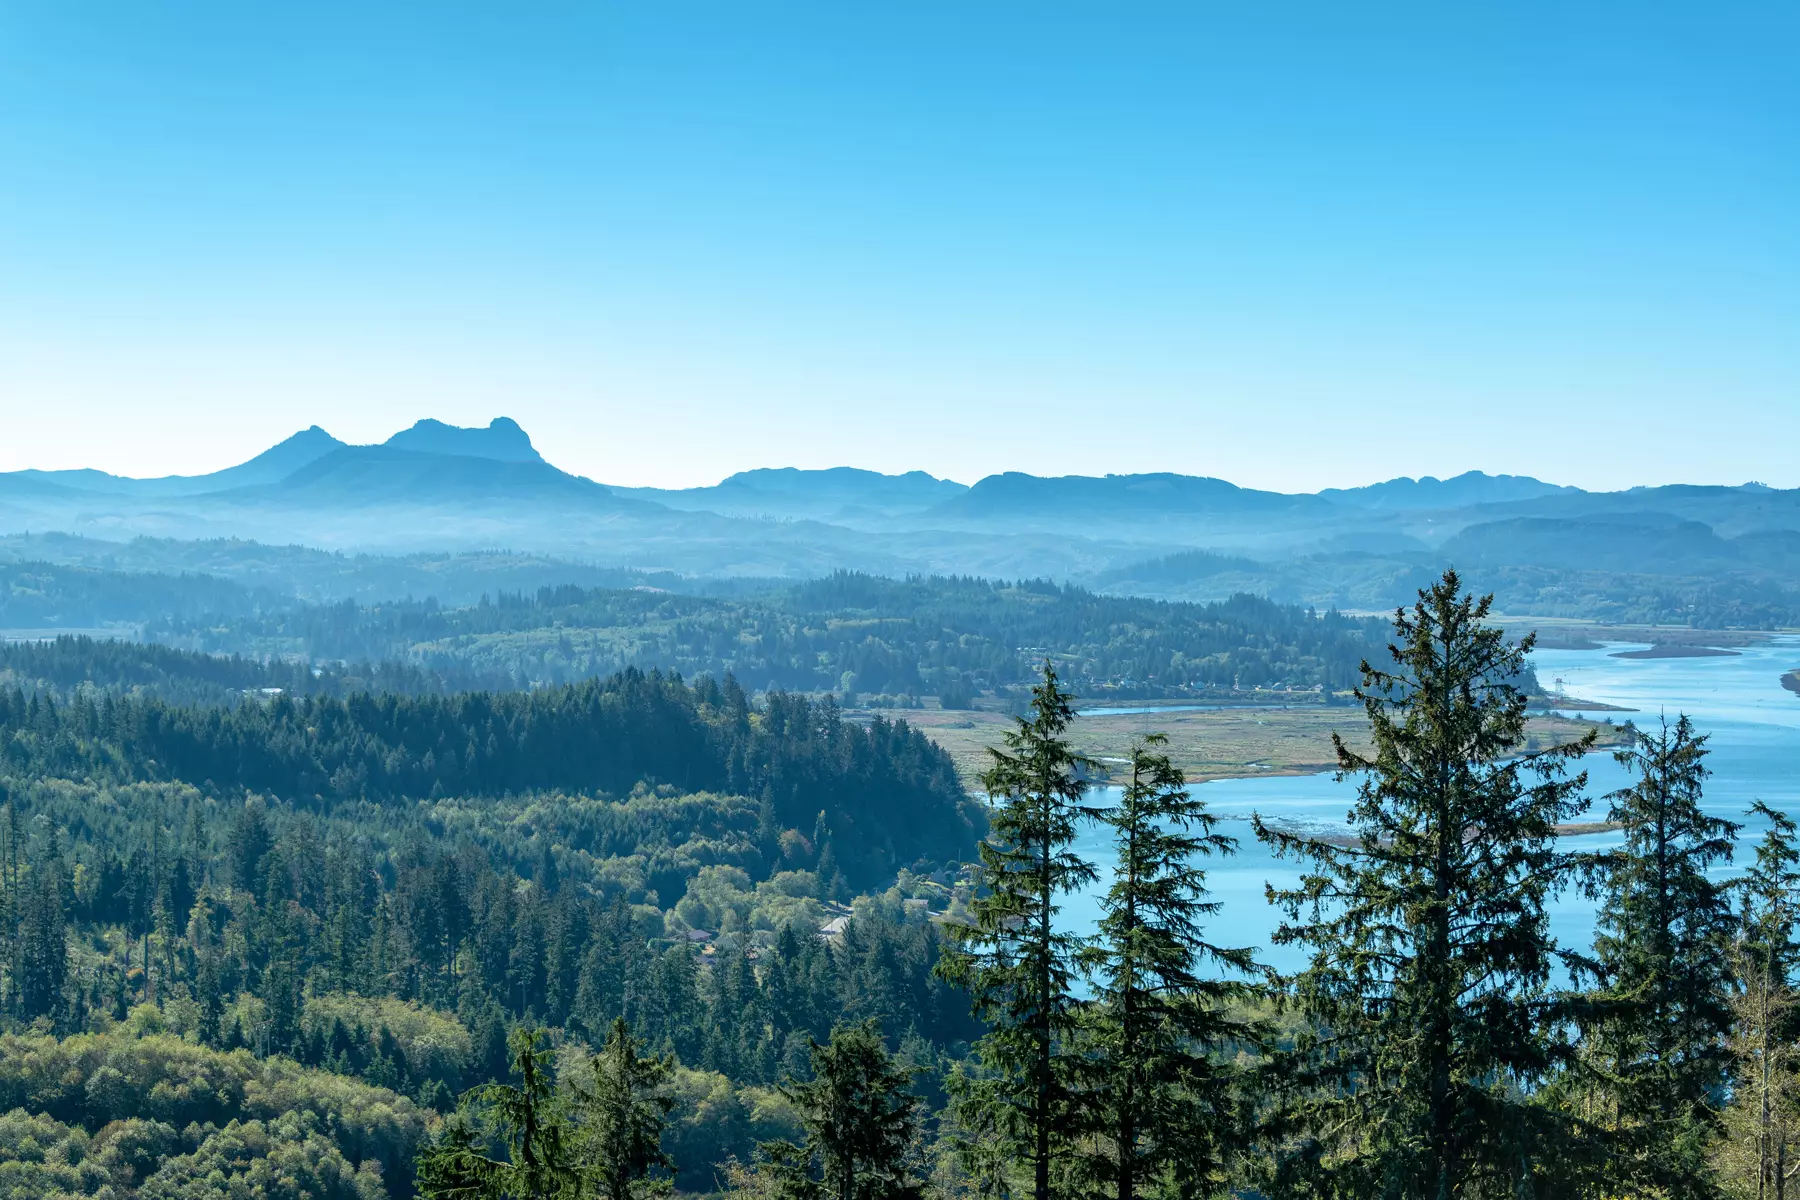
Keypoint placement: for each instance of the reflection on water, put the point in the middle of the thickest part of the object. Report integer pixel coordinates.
(1753, 729)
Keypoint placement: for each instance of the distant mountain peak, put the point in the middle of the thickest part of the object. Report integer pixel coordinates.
(1457, 491)
(310, 437)
(502, 440)
(788, 478)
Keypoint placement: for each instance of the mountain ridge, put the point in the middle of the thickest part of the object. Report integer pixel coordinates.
(442, 488)
(501, 439)
(1458, 491)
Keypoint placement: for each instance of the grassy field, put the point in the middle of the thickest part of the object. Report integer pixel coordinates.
(1214, 744)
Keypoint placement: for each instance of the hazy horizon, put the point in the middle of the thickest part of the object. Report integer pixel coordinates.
(1293, 249)
(550, 458)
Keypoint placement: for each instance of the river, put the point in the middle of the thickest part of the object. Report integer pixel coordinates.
(1751, 721)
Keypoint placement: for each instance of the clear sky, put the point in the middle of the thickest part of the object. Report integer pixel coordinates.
(1291, 245)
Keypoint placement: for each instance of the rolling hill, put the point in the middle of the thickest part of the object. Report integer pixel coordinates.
(437, 489)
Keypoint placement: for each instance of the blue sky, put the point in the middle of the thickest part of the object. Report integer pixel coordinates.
(1291, 245)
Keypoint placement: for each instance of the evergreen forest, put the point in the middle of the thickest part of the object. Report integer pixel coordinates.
(861, 637)
(372, 931)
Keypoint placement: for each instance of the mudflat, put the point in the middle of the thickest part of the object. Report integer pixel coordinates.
(1676, 652)
(1223, 743)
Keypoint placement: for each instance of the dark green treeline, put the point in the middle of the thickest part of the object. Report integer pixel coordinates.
(887, 793)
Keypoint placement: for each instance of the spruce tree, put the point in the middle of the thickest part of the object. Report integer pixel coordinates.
(1160, 1098)
(11, 899)
(540, 1163)
(1761, 1149)
(861, 1124)
(1019, 968)
(1656, 1021)
(622, 1115)
(1427, 1002)
(43, 939)
(1770, 895)
(453, 1167)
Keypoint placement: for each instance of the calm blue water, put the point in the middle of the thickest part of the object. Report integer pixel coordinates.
(1162, 708)
(1752, 722)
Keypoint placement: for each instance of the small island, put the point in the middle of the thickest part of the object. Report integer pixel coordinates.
(1791, 681)
(1662, 650)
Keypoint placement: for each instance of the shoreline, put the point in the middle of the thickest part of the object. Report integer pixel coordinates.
(1209, 743)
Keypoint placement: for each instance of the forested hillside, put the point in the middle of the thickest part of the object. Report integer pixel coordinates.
(883, 792)
(68, 664)
(287, 909)
(44, 595)
(1577, 577)
(956, 638)
(367, 946)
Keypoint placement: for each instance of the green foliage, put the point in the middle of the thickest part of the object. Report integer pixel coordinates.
(954, 637)
(540, 1160)
(286, 1158)
(1655, 1025)
(623, 1110)
(68, 664)
(42, 1157)
(861, 1121)
(890, 795)
(1760, 1140)
(453, 1166)
(352, 1031)
(94, 1081)
(1770, 894)
(39, 595)
(1018, 966)
(1163, 1113)
(277, 936)
(1428, 995)
(41, 961)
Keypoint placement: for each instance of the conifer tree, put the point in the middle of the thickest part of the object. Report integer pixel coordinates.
(1019, 968)
(1160, 1101)
(454, 1168)
(1427, 997)
(43, 938)
(861, 1124)
(540, 1163)
(623, 1110)
(11, 898)
(1656, 1021)
(1761, 1150)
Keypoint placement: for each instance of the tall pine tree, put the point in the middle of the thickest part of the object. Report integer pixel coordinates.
(43, 955)
(540, 1162)
(623, 1110)
(1655, 1024)
(1761, 1150)
(1427, 999)
(1163, 1115)
(861, 1124)
(1019, 968)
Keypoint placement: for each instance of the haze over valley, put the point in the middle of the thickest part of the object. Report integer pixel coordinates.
(818, 601)
(447, 512)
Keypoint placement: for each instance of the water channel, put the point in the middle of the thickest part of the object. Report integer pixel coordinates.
(1752, 722)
